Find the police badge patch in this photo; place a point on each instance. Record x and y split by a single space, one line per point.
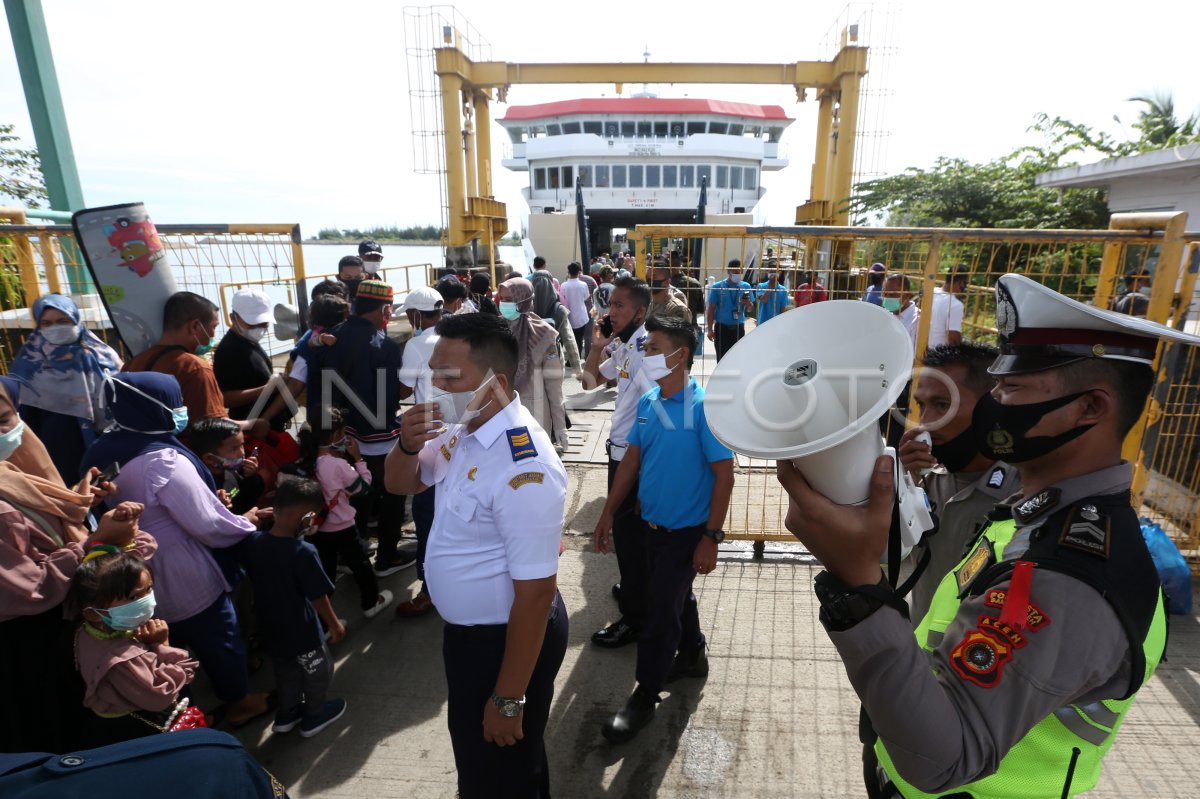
980 656
1087 530
981 558
1035 506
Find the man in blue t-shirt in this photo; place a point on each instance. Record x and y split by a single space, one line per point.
685 478
772 298
728 301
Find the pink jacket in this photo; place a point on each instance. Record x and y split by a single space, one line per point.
122 675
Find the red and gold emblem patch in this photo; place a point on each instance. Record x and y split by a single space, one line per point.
980 657
1035 618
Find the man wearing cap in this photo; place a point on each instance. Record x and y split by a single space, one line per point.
1022 671
242 367
423 306
945 325
372 256
359 374
875 276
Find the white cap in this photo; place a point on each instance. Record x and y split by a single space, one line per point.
252 306
423 298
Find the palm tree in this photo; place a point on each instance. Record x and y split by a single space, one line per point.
1158 126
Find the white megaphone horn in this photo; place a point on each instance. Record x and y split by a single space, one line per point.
810 386
287 322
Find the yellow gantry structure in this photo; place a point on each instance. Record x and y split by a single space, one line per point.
467 89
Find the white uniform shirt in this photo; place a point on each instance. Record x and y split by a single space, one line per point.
498 514
624 365
947 315
910 317
414 369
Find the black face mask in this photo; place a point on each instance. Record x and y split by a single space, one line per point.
627 334
352 287
956 453
1000 429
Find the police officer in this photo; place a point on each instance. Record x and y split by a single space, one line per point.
492 556
962 483
618 356
1041 635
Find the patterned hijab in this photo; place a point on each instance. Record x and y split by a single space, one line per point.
66 378
534 334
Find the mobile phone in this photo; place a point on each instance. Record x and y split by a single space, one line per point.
109 474
606 327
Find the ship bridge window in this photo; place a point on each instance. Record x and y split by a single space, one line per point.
718 127
704 173
628 130
661 129
750 181
635 176
618 176
593 127
773 134
736 130
752 131
653 176
537 131
568 177
695 127
687 176
602 177
677 130
570 127
553 177
670 176
539 179
585 176
554 130
735 177
722 177
644 129
612 130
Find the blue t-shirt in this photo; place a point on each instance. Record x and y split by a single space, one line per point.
771 301
725 298
874 295
286 573
675 480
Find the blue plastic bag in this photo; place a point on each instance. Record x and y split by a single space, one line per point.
1172 567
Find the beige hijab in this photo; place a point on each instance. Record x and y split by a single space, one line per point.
534 334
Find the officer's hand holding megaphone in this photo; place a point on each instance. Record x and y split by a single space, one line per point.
849 540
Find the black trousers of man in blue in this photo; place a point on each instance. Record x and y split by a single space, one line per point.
473 655
672 617
633 561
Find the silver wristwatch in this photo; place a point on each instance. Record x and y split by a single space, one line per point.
509 708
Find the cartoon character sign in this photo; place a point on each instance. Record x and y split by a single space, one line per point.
137 243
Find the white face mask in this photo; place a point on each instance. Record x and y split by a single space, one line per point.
59 335
655 366
455 405
252 333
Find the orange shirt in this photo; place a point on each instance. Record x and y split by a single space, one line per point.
201 394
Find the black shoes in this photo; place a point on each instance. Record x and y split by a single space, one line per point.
637 713
615 635
616 591
690 664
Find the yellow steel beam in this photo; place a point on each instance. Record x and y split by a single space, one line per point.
483 142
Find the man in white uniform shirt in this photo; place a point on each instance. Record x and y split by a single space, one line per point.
945 323
423 306
898 299
492 561
618 356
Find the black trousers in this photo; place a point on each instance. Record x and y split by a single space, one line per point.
473 656
633 563
422 511
726 336
343 544
673 619
387 506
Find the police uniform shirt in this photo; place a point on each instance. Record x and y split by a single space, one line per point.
948 731
962 507
675 478
498 514
624 364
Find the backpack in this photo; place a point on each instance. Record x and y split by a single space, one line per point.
545 297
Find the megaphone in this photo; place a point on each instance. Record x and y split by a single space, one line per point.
810 387
287 322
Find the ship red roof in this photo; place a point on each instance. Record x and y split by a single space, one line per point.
645 105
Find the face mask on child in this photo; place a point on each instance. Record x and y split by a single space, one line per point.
129 616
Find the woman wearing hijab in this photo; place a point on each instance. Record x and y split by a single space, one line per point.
63 366
42 542
481 293
187 519
539 368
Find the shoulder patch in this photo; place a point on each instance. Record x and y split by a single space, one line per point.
520 443
1029 509
525 478
996 479
980 657
1087 529
641 343
1035 617
981 558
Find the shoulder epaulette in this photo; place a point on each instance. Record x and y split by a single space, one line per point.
520 443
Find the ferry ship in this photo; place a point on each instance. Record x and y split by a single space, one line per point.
639 160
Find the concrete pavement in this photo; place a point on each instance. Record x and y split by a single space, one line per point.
776 717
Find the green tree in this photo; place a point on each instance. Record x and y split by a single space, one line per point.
1158 125
20 171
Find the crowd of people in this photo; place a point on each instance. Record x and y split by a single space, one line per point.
158 518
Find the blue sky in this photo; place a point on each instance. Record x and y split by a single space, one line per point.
299 111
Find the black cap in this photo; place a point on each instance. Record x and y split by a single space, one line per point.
368 247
